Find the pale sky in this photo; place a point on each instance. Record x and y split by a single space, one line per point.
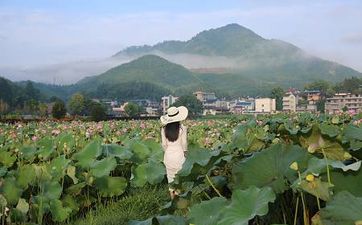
43 32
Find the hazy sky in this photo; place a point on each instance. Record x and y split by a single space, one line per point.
39 32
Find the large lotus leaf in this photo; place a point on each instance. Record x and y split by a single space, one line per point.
111 186
27 152
3 171
351 132
25 175
207 212
319 166
329 130
246 204
355 145
248 138
292 128
171 220
71 202
315 143
318 188
57 167
344 209
151 172
350 181
118 151
71 173
42 173
46 148
75 189
51 190
103 167
156 150
65 142
88 154
22 206
140 152
6 159
269 167
11 190
59 213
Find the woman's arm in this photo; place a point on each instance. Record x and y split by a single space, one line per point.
163 139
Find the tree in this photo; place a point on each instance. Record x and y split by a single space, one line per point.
321 85
3 107
59 109
132 109
30 92
43 109
278 94
97 111
76 104
191 103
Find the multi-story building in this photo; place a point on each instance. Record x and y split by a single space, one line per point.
341 101
264 105
290 102
166 102
205 96
241 106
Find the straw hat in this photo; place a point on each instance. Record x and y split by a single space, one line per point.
174 114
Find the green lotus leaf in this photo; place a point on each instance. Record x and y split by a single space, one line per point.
291 128
88 154
71 202
51 190
46 148
156 150
318 188
11 190
343 181
103 167
71 173
149 221
75 189
6 159
355 145
269 167
140 152
319 166
351 132
329 130
22 206
59 213
16 216
3 202
3 171
42 172
171 220
118 151
65 142
151 172
26 175
27 152
249 138
246 204
344 209
57 167
207 212
111 186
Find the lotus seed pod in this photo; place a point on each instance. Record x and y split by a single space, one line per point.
294 166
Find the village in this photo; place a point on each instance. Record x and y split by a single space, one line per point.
293 101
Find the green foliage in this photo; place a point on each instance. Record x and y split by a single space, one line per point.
278 94
97 111
132 109
191 103
76 104
59 110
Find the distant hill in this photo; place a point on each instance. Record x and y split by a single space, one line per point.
237 50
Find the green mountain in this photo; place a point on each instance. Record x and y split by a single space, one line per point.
238 50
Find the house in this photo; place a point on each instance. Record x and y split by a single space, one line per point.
166 102
205 96
344 101
241 106
290 102
265 105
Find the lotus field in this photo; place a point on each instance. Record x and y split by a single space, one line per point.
281 169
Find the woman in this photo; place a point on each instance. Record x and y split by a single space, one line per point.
174 141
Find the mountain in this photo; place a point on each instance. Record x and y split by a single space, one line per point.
237 50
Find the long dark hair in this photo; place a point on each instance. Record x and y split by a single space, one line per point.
172 131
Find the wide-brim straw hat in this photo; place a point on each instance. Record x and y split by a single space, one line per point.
174 114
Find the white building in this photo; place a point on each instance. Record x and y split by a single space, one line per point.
290 102
264 105
166 102
205 96
352 102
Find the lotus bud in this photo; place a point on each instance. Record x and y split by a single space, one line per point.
294 166
310 177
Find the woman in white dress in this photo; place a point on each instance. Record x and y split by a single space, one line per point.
174 141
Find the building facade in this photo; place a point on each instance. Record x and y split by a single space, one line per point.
166 102
205 96
343 101
264 105
290 102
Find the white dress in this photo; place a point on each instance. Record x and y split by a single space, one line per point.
174 152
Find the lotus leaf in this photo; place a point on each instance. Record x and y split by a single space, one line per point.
344 209
140 152
329 130
351 181
88 154
22 206
11 190
6 159
246 204
111 186
118 151
46 148
103 167
207 212
57 167
151 172
351 132
26 175
59 213
27 152
71 173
